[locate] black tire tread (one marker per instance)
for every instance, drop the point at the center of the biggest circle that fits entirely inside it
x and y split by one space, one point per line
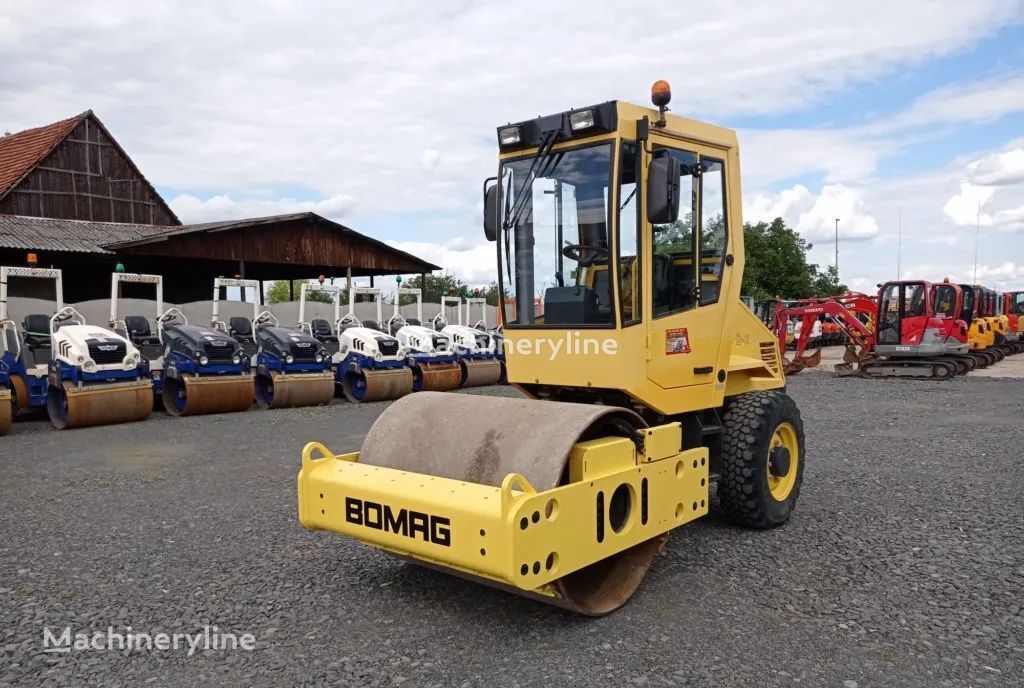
748 429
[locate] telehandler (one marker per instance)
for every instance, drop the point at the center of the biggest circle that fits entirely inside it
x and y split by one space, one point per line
567 496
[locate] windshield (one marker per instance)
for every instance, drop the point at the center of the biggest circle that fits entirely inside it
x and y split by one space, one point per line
1018 303
968 313
555 259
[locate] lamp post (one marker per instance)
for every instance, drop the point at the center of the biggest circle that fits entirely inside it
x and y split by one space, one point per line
837 248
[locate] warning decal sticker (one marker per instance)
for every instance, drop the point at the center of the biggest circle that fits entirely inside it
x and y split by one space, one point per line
677 341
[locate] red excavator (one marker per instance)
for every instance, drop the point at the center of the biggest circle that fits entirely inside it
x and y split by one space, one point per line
918 332
1013 309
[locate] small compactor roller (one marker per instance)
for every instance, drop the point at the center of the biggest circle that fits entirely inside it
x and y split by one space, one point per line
429 353
84 375
477 350
6 400
647 379
292 368
374 367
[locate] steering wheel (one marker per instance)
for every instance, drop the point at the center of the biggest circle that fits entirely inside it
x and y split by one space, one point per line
586 255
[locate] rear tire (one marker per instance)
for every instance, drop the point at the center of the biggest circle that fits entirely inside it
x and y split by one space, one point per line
755 492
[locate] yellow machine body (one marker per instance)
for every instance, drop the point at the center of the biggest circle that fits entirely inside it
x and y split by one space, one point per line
512 534
729 342
511 499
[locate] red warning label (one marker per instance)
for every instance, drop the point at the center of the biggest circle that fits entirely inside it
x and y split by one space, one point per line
677 341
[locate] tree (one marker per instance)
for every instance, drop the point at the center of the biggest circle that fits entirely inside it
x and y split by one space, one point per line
776 265
436 286
279 292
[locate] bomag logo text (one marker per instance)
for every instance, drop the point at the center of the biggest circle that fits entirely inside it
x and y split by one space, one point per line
413 524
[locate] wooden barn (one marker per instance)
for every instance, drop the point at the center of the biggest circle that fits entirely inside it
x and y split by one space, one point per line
71 196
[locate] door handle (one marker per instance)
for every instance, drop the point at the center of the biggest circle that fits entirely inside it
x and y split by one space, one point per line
704 370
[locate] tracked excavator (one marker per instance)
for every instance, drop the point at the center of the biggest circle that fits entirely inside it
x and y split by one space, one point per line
981 338
1013 308
568 495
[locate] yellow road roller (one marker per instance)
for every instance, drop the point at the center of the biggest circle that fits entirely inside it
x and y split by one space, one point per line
646 379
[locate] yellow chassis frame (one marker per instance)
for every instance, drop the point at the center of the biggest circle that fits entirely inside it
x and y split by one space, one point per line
512 534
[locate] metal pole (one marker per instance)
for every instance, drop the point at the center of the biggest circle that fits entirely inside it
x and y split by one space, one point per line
977 231
899 246
837 248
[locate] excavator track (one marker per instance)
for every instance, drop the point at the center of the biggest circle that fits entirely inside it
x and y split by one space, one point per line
102 404
191 395
486 450
279 390
909 367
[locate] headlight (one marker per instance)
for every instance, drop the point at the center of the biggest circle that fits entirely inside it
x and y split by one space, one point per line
81 359
508 136
378 356
203 360
319 358
583 119
237 359
89 365
289 359
199 354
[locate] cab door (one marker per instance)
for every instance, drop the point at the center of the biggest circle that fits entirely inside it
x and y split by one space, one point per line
689 274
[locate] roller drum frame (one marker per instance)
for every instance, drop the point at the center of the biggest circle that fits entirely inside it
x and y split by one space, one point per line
480 373
377 385
208 394
436 377
70 406
495 484
288 390
6 410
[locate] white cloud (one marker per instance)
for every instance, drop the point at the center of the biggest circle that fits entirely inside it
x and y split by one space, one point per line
998 169
222 207
813 215
258 96
472 263
964 207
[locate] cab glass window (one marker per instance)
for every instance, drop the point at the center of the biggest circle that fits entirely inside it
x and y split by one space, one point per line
629 238
673 274
713 233
945 300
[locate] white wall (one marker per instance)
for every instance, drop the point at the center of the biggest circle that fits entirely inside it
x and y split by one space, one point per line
97 312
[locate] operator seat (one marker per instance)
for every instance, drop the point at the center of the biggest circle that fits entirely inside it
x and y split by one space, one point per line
240 330
36 336
139 332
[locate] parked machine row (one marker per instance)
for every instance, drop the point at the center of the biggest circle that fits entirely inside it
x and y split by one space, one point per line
913 328
82 374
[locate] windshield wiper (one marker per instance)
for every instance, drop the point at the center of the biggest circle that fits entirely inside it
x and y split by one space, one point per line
542 158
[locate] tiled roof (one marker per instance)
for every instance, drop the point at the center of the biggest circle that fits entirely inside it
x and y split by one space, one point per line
22 151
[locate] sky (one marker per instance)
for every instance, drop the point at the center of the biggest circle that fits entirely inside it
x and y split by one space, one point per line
904 120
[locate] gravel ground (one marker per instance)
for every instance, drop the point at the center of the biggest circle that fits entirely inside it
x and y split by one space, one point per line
902 565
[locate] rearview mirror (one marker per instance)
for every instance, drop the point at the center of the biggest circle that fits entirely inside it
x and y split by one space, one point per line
663 190
491 211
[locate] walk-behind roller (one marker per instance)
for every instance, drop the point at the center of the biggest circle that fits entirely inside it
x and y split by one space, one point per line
568 497
429 353
292 368
205 371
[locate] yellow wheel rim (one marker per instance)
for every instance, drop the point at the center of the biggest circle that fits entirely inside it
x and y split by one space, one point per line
784 436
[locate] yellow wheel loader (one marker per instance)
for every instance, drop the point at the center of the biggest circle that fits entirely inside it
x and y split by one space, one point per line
646 377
